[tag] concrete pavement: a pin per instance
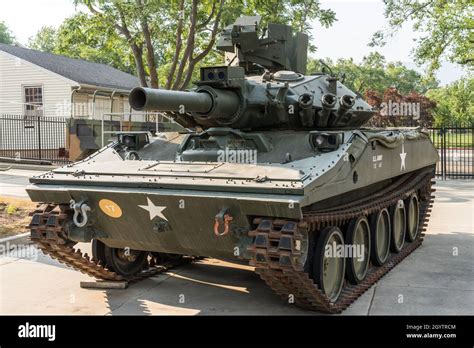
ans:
(14, 181)
(438, 278)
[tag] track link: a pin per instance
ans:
(49, 232)
(278, 244)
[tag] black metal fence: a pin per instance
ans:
(39, 138)
(455, 145)
(44, 138)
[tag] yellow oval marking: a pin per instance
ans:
(110, 208)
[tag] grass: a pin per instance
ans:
(464, 140)
(14, 215)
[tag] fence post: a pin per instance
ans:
(39, 137)
(443, 153)
(471, 157)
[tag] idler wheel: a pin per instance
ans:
(358, 236)
(380, 237)
(398, 215)
(125, 262)
(412, 207)
(329, 262)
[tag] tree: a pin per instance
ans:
(44, 40)
(170, 40)
(383, 85)
(412, 109)
(375, 74)
(6, 36)
(455, 102)
(446, 29)
(83, 36)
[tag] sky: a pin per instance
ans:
(348, 37)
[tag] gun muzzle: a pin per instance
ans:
(346, 102)
(328, 102)
(306, 113)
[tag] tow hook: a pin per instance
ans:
(223, 217)
(80, 212)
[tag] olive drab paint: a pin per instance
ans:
(315, 170)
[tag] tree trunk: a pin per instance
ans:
(150, 57)
(179, 43)
(194, 60)
(137, 50)
(150, 51)
(138, 56)
(189, 46)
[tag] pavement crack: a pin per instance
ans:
(372, 300)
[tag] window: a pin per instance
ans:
(33, 100)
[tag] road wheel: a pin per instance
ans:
(398, 215)
(413, 215)
(358, 236)
(125, 262)
(329, 264)
(380, 237)
(98, 252)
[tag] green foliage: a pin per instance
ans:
(83, 36)
(381, 83)
(169, 40)
(11, 209)
(6, 36)
(375, 74)
(44, 40)
(162, 41)
(455, 102)
(446, 29)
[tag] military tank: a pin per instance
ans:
(275, 169)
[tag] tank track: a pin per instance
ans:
(276, 250)
(48, 232)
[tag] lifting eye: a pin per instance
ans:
(222, 218)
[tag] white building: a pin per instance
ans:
(34, 83)
(39, 83)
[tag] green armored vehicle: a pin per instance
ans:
(276, 171)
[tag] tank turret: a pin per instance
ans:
(262, 87)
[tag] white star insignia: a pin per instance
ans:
(154, 210)
(403, 156)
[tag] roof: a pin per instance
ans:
(80, 71)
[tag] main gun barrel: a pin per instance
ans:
(164, 100)
(206, 105)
